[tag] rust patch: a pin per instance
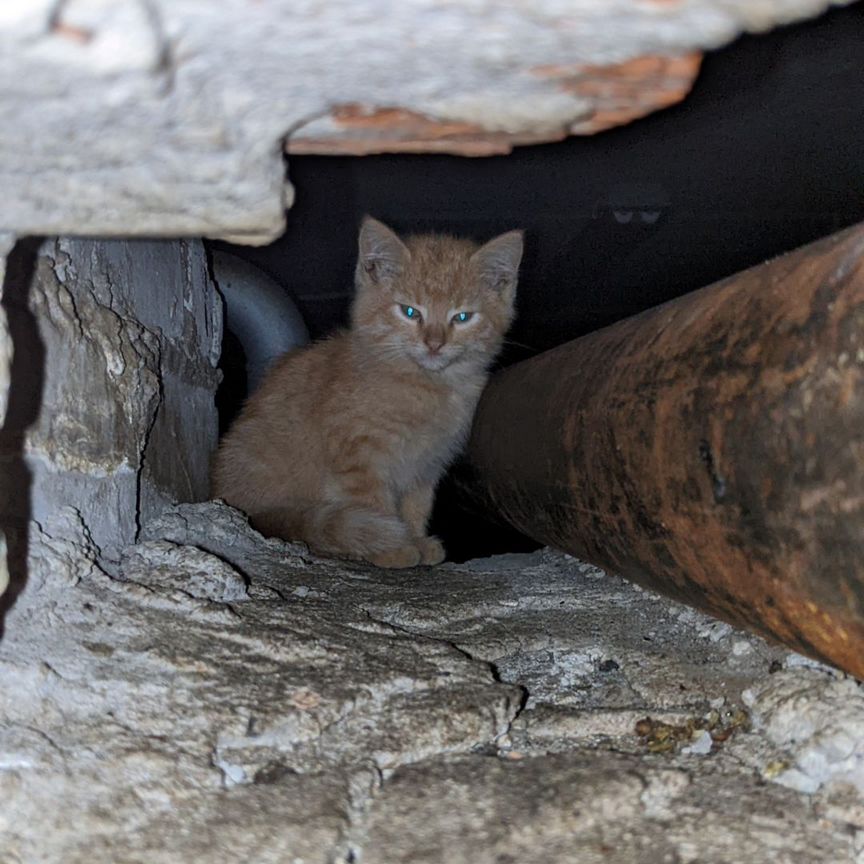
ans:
(355, 116)
(626, 91)
(615, 94)
(362, 131)
(74, 34)
(58, 27)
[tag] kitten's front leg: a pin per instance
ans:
(415, 509)
(389, 545)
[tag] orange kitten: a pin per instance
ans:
(345, 441)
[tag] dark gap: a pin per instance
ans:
(24, 401)
(764, 156)
(232, 362)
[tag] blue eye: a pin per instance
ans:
(410, 312)
(462, 317)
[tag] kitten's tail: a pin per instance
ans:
(342, 530)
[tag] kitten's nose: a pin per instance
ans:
(434, 342)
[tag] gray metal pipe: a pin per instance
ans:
(259, 312)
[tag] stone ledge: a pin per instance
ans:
(226, 694)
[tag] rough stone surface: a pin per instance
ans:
(123, 340)
(590, 807)
(7, 241)
(814, 720)
(225, 697)
(6, 351)
(169, 117)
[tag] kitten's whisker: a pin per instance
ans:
(520, 344)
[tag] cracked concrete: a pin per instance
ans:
(170, 117)
(221, 696)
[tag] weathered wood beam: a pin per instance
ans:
(711, 448)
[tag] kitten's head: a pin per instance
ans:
(441, 302)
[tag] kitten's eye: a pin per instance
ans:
(410, 312)
(462, 317)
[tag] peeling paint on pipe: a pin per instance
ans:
(711, 449)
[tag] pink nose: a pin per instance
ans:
(434, 345)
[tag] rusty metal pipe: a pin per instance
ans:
(711, 448)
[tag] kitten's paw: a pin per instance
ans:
(431, 551)
(404, 556)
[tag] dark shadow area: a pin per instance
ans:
(764, 156)
(232, 362)
(25, 399)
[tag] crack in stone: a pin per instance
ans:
(490, 665)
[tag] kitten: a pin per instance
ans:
(345, 441)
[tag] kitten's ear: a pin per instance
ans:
(382, 255)
(497, 261)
